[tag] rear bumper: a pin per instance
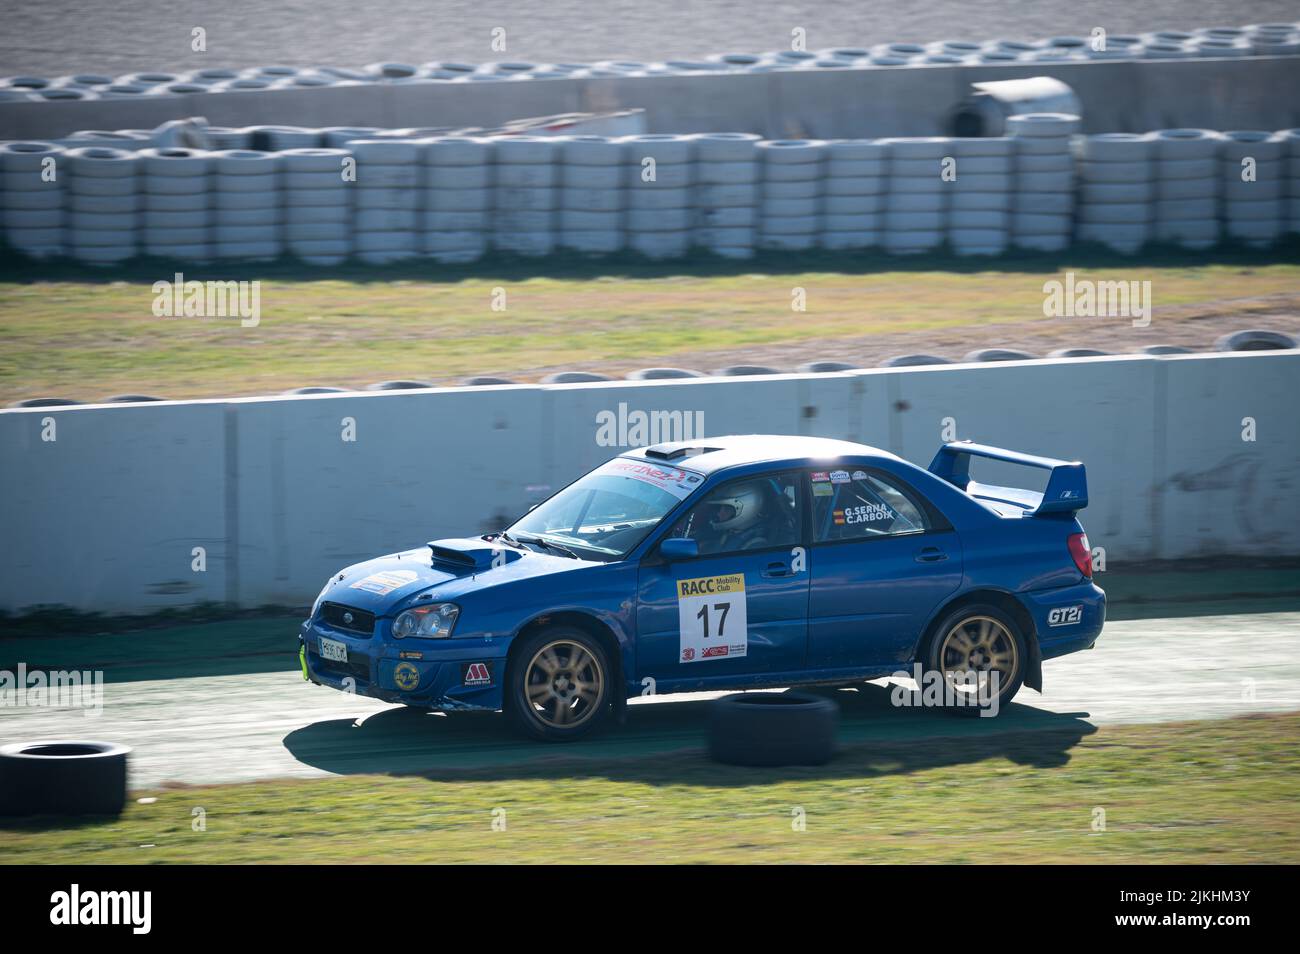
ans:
(446, 674)
(1067, 619)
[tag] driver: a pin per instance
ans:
(734, 516)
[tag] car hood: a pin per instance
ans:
(447, 568)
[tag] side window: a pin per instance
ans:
(751, 513)
(858, 505)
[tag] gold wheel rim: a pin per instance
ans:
(563, 684)
(973, 651)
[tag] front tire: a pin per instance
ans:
(559, 683)
(970, 648)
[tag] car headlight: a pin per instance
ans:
(434, 621)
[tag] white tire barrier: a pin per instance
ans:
(855, 181)
(979, 195)
(525, 196)
(32, 216)
(792, 177)
(1291, 171)
(915, 212)
(1110, 163)
(247, 221)
(1042, 199)
(103, 222)
(176, 209)
(456, 199)
(726, 196)
(385, 225)
(591, 195)
(318, 204)
(659, 176)
(1253, 167)
(1186, 211)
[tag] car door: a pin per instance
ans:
(738, 608)
(882, 560)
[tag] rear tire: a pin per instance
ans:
(559, 685)
(968, 646)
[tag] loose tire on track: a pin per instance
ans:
(772, 728)
(62, 777)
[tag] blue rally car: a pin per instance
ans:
(724, 563)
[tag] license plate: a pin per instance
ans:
(334, 650)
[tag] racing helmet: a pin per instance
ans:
(735, 508)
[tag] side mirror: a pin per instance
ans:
(679, 548)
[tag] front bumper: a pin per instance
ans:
(1067, 619)
(435, 674)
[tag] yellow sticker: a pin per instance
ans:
(707, 585)
(406, 676)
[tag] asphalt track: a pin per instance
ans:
(272, 724)
(65, 36)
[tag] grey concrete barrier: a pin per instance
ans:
(865, 99)
(114, 515)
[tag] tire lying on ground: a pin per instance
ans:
(772, 728)
(61, 777)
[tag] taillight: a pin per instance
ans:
(1082, 553)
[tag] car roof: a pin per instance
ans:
(708, 455)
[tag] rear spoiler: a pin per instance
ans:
(1066, 491)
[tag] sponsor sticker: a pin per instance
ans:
(476, 674)
(839, 476)
(712, 617)
(1065, 615)
(406, 676)
(867, 513)
(673, 480)
(408, 654)
(384, 583)
(859, 475)
(820, 475)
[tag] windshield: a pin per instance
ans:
(609, 511)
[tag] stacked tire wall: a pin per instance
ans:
(34, 200)
(791, 194)
(1187, 187)
(247, 223)
(1116, 174)
(456, 199)
(1044, 186)
(103, 205)
(727, 195)
(383, 199)
(857, 179)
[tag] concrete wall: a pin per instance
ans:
(845, 103)
(106, 516)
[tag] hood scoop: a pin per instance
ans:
(470, 555)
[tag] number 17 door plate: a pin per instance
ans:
(711, 617)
